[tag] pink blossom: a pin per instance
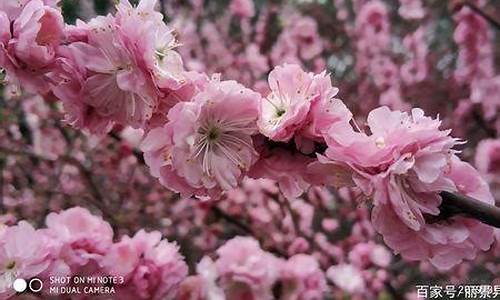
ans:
(364, 255)
(83, 236)
(151, 42)
(380, 256)
(384, 72)
(202, 286)
(404, 177)
(36, 34)
(242, 8)
(298, 40)
(67, 79)
(487, 161)
(192, 288)
(207, 144)
(415, 69)
(287, 169)
(487, 92)
(300, 103)
(392, 98)
(302, 278)
(132, 137)
(256, 60)
(411, 9)
(444, 244)
(195, 83)
(475, 53)
(347, 277)
(245, 270)
(305, 32)
(488, 156)
(372, 28)
(129, 96)
(24, 253)
(13, 8)
(152, 267)
(329, 224)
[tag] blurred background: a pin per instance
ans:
(442, 56)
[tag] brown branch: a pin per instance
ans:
(455, 204)
(295, 220)
(236, 222)
(97, 198)
(479, 11)
(245, 228)
(138, 154)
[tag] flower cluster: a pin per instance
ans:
(77, 243)
(245, 135)
(243, 270)
(404, 178)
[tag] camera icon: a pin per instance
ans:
(34, 285)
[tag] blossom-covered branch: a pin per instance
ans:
(266, 149)
(454, 204)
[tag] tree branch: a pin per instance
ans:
(96, 198)
(455, 204)
(245, 228)
(480, 12)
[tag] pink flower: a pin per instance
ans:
(151, 42)
(83, 236)
(242, 8)
(245, 270)
(302, 278)
(393, 99)
(373, 29)
(347, 277)
(67, 79)
(24, 253)
(305, 33)
(444, 244)
(116, 88)
(487, 161)
(416, 69)
(152, 267)
(207, 144)
(488, 156)
(364, 255)
(195, 83)
(404, 177)
(27, 54)
(132, 137)
(287, 169)
(300, 103)
(411, 9)
(202, 286)
(13, 8)
(487, 92)
(380, 256)
(475, 52)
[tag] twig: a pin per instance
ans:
(242, 226)
(97, 199)
(485, 16)
(2, 166)
(245, 228)
(162, 10)
(295, 220)
(138, 154)
(455, 204)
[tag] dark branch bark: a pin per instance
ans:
(455, 204)
(245, 228)
(96, 197)
(477, 10)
